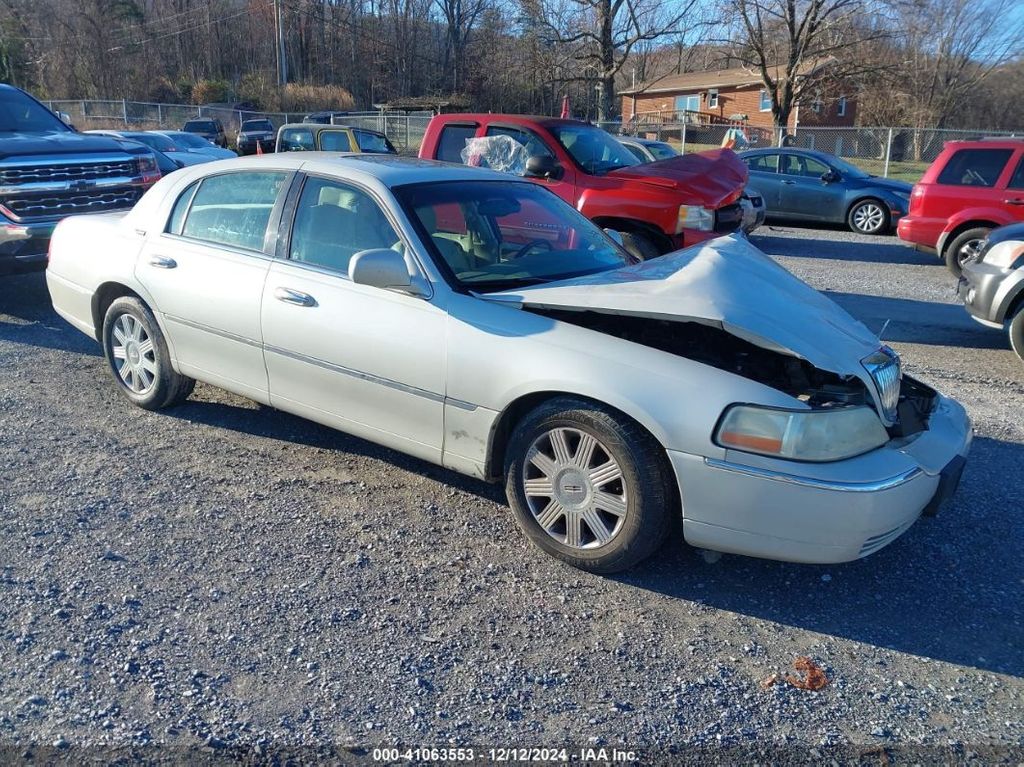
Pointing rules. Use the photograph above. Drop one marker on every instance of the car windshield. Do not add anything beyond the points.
(153, 141)
(191, 142)
(497, 235)
(594, 150)
(22, 114)
(848, 170)
(258, 125)
(200, 126)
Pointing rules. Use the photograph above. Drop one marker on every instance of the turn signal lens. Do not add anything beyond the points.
(695, 217)
(812, 435)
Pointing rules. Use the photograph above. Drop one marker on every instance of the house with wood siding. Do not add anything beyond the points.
(735, 95)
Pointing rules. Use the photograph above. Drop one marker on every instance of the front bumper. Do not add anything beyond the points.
(827, 512)
(983, 289)
(23, 246)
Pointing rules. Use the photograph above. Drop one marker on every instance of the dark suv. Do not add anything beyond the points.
(992, 286)
(209, 128)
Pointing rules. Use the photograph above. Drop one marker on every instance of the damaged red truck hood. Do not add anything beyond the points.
(713, 178)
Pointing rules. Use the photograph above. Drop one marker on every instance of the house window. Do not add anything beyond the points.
(689, 102)
(816, 104)
(766, 102)
(841, 107)
(713, 99)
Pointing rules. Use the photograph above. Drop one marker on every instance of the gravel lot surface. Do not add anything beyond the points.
(223, 574)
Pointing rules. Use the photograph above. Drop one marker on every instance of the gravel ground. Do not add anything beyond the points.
(224, 575)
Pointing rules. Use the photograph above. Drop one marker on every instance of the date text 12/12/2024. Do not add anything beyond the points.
(504, 754)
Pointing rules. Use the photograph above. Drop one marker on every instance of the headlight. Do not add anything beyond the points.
(801, 435)
(1003, 255)
(695, 217)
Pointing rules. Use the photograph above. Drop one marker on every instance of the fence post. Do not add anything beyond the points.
(160, 115)
(682, 137)
(408, 136)
(124, 111)
(888, 154)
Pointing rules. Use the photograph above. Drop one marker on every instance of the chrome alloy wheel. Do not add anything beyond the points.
(574, 488)
(969, 251)
(134, 354)
(869, 217)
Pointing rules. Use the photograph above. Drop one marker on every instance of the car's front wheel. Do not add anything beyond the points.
(1016, 332)
(589, 485)
(964, 247)
(138, 357)
(869, 217)
(640, 245)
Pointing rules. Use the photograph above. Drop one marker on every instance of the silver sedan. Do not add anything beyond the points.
(478, 322)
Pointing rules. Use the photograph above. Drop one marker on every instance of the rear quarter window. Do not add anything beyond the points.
(453, 141)
(975, 167)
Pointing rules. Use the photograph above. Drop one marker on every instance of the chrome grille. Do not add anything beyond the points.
(884, 368)
(72, 172)
(46, 205)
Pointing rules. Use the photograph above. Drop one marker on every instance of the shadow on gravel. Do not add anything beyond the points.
(878, 250)
(950, 589)
(919, 322)
(25, 298)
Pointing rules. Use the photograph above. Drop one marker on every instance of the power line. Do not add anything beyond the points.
(203, 25)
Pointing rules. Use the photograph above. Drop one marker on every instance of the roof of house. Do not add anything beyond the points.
(718, 78)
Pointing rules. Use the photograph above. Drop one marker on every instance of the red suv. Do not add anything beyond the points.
(656, 207)
(970, 189)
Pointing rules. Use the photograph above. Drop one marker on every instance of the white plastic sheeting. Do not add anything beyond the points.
(501, 153)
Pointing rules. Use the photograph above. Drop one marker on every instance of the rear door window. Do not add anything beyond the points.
(975, 167)
(373, 142)
(763, 163)
(335, 141)
(233, 208)
(453, 141)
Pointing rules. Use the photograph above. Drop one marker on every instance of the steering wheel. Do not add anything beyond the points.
(528, 247)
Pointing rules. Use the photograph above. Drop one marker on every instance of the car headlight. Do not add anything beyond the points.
(1008, 254)
(801, 435)
(695, 217)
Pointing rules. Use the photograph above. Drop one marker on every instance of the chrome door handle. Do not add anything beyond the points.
(162, 262)
(295, 297)
(1014, 201)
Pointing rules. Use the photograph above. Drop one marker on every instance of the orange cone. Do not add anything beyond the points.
(259, 147)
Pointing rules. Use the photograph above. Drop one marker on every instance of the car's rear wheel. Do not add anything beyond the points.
(964, 247)
(868, 217)
(640, 245)
(1016, 332)
(137, 354)
(589, 486)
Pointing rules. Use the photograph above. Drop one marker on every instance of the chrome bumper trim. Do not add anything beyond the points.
(818, 484)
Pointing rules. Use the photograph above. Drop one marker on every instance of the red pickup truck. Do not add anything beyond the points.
(657, 207)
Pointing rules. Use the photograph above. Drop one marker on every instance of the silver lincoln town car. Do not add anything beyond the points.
(476, 321)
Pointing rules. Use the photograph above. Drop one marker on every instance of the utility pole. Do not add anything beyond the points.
(282, 60)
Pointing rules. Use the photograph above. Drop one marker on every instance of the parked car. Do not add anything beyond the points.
(656, 208)
(314, 137)
(193, 144)
(992, 285)
(971, 188)
(805, 185)
(650, 150)
(512, 339)
(323, 118)
(253, 134)
(49, 170)
(209, 128)
(161, 146)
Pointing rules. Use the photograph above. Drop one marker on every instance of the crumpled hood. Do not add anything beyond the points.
(711, 178)
(727, 283)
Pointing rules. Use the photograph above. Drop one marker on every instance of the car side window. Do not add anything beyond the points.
(534, 145)
(637, 152)
(335, 141)
(373, 142)
(1017, 179)
(807, 167)
(334, 221)
(763, 163)
(233, 208)
(975, 167)
(453, 141)
(297, 140)
(181, 208)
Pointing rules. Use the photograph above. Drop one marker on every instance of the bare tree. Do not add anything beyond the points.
(796, 44)
(461, 17)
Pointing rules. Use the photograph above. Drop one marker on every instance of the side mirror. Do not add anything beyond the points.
(386, 269)
(829, 176)
(178, 163)
(543, 166)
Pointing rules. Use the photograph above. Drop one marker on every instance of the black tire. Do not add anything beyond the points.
(151, 386)
(959, 249)
(869, 216)
(1016, 332)
(640, 245)
(645, 484)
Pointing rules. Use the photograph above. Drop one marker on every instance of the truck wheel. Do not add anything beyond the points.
(964, 248)
(589, 486)
(1017, 332)
(640, 245)
(138, 357)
